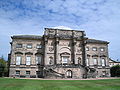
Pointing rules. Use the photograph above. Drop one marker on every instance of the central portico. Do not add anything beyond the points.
(64, 50)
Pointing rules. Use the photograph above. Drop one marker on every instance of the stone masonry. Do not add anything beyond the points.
(58, 54)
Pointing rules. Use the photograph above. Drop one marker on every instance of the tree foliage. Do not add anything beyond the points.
(115, 71)
(3, 67)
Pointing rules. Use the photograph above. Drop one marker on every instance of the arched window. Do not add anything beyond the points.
(87, 61)
(28, 60)
(65, 59)
(103, 61)
(69, 74)
(38, 59)
(95, 61)
(18, 60)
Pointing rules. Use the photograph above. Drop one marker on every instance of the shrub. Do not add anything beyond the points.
(115, 71)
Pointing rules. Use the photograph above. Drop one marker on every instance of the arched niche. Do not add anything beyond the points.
(64, 55)
(39, 58)
(51, 60)
(69, 74)
(79, 60)
(65, 49)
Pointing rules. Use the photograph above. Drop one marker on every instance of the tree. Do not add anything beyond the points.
(3, 67)
(115, 71)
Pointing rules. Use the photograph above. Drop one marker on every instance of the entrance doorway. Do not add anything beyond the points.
(69, 74)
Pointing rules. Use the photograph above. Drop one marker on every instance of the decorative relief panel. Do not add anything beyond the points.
(50, 32)
(77, 34)
(64, 43)
(51, 49)
(62, 32)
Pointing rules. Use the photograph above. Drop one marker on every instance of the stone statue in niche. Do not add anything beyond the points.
(79, 60)
(51, 61)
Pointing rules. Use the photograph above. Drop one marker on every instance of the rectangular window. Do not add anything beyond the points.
(29, 46)
(103, 62)
(18, 72)
(18, 45)
(95, 61)
(38, 72)
(87, 62)
(28, 60)
(94, 48)
(38, 59)
(65, 59)
(28, 72)
(39, 46)
(18, 60)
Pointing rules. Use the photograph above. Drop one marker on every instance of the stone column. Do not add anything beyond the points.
(23, 59)
(107, 61)
(56, 50)
(99, 61)
(33, 59)
(45, 50)
(73, 53)
(13, 59)
(83, 51)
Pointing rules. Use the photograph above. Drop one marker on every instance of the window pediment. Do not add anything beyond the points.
(88, 55)
(38, 53)
(18, 53)
(29, 53)
(103, 56)
(65, 53)
(94, 55)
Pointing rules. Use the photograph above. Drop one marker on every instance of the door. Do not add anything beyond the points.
(69, 74)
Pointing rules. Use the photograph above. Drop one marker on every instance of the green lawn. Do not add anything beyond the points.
(25, 84)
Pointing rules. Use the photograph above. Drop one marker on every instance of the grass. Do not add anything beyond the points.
(27, 84)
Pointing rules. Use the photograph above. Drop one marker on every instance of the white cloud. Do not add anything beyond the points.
(62, 27)
(99, 18)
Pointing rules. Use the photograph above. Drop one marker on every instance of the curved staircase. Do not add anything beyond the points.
(50, 73)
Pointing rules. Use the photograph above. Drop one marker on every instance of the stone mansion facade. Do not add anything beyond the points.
(58, 54)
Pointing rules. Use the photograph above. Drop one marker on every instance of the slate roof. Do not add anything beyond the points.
(114, 60)
(26, 37)
(40, 37)
(97, 41)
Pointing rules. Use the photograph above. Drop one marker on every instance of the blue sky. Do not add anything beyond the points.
(99, 18)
